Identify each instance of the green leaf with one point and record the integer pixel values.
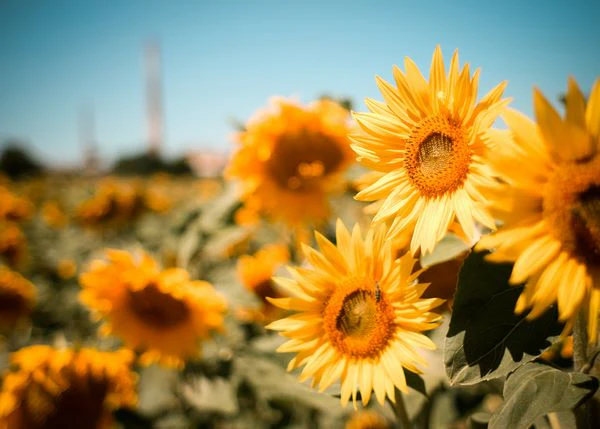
(486, 339)
(535, 390)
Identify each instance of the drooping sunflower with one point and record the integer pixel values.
(359, 316)
(256, 272)
(290, 158)
(427, 142)
(548, 200)
(17, 297)
(162, 314)
(65, 388)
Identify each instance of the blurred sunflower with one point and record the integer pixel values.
(256, 271)
(290, 158)
(359, 315)
(66, 269)
(17, 297)
(13, 244)
(114, 203)
(13, 207)
(160, 313)
(53, 215)
(367, 419)
(52, 388)
(548, 200)
(427, 144)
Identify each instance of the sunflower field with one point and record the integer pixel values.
(412, 266)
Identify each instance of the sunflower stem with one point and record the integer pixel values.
(580, 341)
(584, 359)
(400, 411)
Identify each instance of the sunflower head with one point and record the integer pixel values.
(290, 158)
(255, 273)
(17, 298)
(66, 269)
(162, 314)
(367, 419)
(427, 143)
(53, 215)
(13, 244)
(548, 200)
(52, 388)
(12, 207)
(115, 203)
(359, 315)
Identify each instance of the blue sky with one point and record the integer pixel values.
(224, 59)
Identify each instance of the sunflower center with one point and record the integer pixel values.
(81, 405)
(437, 156)
(12, 306)
(157, 308)
(572, 207)
(357, 323)
(298, 161)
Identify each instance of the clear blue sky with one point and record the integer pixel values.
(224, 59)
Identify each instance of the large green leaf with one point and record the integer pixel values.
(535, 390)
(486, 339)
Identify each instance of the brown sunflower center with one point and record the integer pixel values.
(357, 323)
(572, 208)
(80, 405)
(437, 156)
(12, 307)
(300, 160)
(158, 309)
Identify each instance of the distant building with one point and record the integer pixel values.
(207, 163)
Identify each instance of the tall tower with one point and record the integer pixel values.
(87, 139)
(153, 97)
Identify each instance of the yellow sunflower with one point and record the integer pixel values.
(548, 200)
(13, 244)
(115, 203)
(17, 297)
(66, 269)
(367, 419)
(160, 313)
(290, 158)
(359, 315)
(427, 143)
(256, 272)
(53, 215)
(52, 388)
(13, 207)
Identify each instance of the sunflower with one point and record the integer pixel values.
(290, 158)
(53, 215)
(65, 388)
(256, 272)
(66, 269)
(13, 244)
(13, 207)
(548, 200)
(17, 297)
(114, 203)
(162, 314)
(359, 315)
(367, 419)
(428, 142)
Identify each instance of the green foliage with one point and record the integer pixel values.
(535, 390)
(486, 339)
(17, 162)
(148, 163)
